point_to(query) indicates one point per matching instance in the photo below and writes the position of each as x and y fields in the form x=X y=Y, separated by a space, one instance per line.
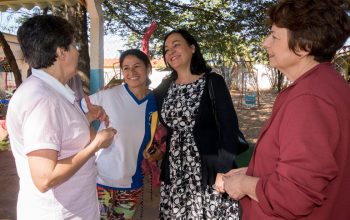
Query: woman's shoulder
x=111 y=90
x=167 y=79
x=215 y=77
x=105 y=95
x=37 y=90
x=164 y=85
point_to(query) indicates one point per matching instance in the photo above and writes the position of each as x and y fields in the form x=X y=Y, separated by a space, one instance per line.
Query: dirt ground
x=8 y=186
x=250 y=120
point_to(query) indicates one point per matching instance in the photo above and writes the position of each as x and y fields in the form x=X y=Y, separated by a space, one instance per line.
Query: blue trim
x=151 y=107
x=4 y=101
x=81 y=106
x=96 y=123
x=96 y=80
x=139 y=102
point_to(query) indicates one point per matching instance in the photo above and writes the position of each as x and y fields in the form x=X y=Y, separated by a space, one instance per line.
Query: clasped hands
x=231 y=183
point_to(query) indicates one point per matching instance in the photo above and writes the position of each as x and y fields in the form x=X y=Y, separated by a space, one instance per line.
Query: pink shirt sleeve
x=44 y=135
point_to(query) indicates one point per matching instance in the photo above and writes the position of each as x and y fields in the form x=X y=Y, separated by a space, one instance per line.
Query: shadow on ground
x=8 y=186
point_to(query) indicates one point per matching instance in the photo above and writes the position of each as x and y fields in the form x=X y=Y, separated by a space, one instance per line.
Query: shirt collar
x=306 y=74
x=55 y=84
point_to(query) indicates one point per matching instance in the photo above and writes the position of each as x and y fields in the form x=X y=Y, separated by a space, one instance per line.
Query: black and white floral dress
x=184 y=198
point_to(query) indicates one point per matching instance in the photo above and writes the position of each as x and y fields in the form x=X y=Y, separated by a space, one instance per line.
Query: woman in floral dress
x=197 y=153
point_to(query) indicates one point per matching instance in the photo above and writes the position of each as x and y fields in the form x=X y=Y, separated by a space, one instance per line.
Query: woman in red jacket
x=300 y=167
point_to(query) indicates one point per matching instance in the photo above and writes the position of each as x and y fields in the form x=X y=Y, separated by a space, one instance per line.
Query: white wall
x=263 y=80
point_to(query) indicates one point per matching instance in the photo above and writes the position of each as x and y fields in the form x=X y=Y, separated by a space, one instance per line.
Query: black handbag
x=243 y=145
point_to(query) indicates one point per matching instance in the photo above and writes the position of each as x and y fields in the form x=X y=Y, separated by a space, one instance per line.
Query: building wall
x=16 y=50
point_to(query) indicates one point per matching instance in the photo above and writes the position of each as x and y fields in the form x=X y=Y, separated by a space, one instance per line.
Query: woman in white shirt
x=130 y=107
x=49 y=134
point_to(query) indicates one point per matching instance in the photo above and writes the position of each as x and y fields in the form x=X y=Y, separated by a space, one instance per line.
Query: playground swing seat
x=250 y=100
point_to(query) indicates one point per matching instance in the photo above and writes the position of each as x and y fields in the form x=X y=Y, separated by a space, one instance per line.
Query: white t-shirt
x=43 y=114
x=119 y=166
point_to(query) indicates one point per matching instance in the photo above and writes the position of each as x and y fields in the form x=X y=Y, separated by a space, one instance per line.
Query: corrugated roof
x=29 y=4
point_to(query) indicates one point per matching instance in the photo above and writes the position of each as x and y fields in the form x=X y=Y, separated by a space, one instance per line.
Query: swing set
x=341 y=62
x=7 y=86
x=245 y=80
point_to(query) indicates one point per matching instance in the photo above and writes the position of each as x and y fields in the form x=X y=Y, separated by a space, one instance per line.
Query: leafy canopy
x=225 y=28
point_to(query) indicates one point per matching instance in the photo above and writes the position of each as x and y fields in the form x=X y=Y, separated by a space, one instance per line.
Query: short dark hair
x=317 y=26
x=198 y=64
x=40 y=36
x=140 y=55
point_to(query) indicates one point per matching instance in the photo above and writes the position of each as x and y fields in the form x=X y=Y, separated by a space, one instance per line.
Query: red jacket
x=302 y=156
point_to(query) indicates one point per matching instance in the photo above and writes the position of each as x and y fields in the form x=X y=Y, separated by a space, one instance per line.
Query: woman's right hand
x=47 y=171
x=95 y=112
x=104 y=137
x=242 y=170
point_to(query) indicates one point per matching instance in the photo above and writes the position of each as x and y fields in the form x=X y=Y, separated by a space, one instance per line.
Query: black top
x=217 y=152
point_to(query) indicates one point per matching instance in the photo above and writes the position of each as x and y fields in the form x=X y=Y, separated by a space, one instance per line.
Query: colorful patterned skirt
x=118 y=204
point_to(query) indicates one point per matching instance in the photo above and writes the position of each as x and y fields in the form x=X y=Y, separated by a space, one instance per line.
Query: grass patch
x=4 y=145
x=243 y=159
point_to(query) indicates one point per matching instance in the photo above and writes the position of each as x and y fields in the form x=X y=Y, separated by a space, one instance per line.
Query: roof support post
x=96 y=45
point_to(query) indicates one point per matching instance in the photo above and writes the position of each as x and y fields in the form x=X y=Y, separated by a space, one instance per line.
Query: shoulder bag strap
x=213 y=103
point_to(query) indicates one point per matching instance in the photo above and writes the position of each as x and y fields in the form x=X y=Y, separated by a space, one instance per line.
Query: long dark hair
x=198 y=64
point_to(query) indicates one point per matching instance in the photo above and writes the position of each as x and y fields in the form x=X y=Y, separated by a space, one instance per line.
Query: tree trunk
x=77 y=16
x=11 y=60
x=280 y=79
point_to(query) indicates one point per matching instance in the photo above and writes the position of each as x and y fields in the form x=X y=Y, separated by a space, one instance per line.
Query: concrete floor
x=150 y=204
x=8 y=186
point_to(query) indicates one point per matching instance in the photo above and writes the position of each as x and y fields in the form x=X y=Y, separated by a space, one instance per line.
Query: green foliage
x=4 y=145
x=14 y=18
x=243 y=159
x=226 y=30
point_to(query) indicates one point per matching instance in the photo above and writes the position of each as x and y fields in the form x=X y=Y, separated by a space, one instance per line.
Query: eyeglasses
x=76 y=45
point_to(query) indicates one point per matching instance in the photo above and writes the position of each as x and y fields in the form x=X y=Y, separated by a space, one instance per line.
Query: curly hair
x=40 y=36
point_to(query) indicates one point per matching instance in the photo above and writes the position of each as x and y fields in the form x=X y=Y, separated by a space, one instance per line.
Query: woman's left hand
x=95 y=112
x=219 y=183
x=237 y=185
x=233 y=185
x=242 y=170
